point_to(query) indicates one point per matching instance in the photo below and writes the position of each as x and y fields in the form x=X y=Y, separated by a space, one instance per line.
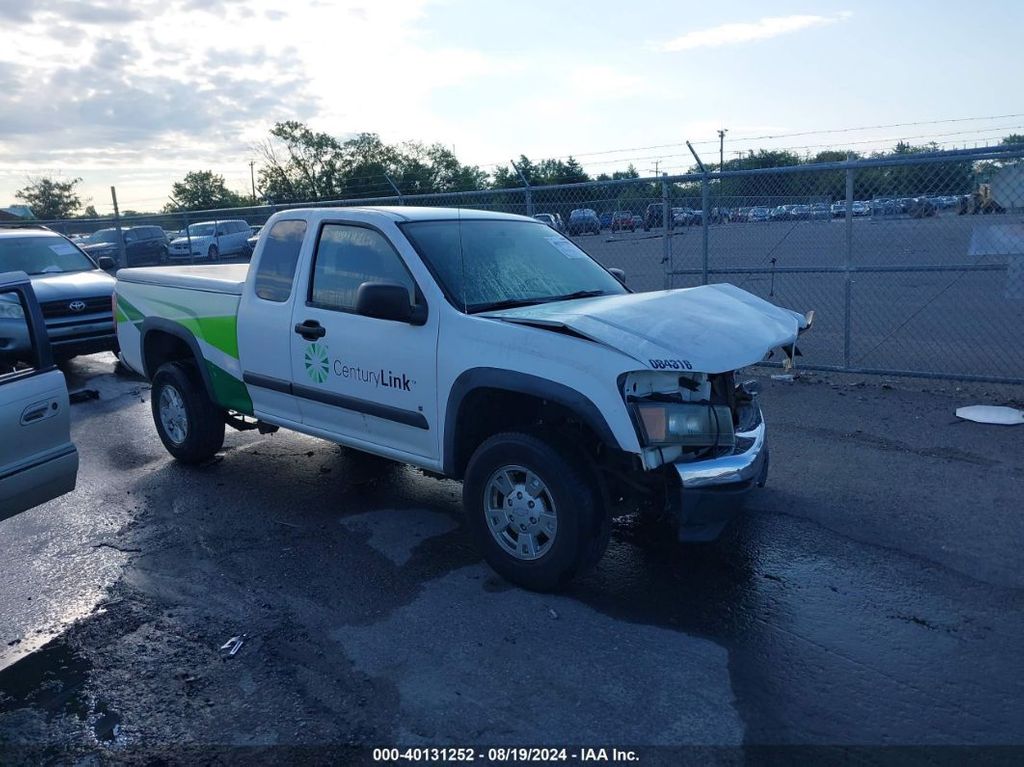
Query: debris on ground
x=1004 y=416
x=786 y=377
x=233 y=645
x=83 y=395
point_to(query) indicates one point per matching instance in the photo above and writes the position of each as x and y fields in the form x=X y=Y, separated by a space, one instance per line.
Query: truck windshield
x=487 y=264
x=41 y=255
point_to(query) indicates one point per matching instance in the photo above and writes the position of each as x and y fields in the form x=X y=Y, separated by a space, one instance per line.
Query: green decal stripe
x=229 y=392
x=221 y=332
x=127 y=312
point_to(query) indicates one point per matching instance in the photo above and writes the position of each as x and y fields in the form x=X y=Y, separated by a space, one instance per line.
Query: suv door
x=363 y=379
x=38 y=461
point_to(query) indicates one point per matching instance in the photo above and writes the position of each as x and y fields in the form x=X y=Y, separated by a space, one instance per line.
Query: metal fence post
x=848 y=261
x=666 y=243
x=188 y=237
x=705 y=192
x=122 y=253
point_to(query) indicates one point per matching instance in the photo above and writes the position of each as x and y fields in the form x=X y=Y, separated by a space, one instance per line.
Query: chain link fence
x=913 y=264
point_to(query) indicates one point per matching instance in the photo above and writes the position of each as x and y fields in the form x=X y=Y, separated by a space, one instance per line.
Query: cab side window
x=276 y=270
x=17 y=350
x=348 y=256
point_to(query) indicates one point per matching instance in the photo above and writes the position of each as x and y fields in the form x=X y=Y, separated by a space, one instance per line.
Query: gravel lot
x=872 y=595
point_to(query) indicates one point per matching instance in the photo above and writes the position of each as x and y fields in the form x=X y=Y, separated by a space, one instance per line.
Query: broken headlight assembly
x=685 y=424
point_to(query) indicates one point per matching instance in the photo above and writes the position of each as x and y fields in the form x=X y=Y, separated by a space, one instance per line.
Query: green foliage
x=201 y=190
x=51 y=198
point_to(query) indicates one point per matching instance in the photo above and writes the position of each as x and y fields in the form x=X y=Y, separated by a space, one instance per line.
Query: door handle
x=37 y=412
x=311 y=330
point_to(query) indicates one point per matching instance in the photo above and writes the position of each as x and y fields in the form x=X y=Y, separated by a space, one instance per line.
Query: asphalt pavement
x=870 y=596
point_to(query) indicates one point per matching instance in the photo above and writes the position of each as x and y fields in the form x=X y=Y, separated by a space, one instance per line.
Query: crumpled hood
x=709 y=329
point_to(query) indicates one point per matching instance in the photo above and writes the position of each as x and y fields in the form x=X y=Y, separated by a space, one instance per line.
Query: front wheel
x=189 y=423
x=535 y=510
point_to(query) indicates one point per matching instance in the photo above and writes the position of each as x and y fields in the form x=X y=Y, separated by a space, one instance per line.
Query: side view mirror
x=106 y=263
x=618 y=274
x=388 y=301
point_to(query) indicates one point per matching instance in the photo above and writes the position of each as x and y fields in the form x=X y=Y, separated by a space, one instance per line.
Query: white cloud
x=745 y=32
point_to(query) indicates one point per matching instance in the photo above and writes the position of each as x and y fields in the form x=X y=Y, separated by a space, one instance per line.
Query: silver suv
x=74 y=292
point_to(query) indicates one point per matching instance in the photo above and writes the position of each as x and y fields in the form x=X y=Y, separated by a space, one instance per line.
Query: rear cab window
x=276 y=270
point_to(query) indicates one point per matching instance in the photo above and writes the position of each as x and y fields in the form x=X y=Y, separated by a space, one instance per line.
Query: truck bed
x=211 y=278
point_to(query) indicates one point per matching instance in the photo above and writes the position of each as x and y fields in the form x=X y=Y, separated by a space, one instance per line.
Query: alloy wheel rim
x=520 y=512
x=172 y=415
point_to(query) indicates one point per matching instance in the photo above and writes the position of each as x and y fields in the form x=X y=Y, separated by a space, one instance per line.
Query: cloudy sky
x=136 y=93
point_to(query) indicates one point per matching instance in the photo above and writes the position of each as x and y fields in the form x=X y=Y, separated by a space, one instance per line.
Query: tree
x=90 y=212
x=300 y=164
x=201 y=190
x=51 y=198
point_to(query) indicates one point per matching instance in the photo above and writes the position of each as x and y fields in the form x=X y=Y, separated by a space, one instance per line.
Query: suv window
x=346 y=257
x=276 y=270
x=17 y=353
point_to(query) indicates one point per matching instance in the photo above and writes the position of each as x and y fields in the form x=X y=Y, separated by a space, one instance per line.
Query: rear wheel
x=189 y=423
x=535 y=510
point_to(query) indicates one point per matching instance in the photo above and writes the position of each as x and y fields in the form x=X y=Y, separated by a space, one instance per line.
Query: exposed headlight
x=689 y=424
x=11 y=310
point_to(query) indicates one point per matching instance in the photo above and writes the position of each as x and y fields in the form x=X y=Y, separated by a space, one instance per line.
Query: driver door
x=38 y=461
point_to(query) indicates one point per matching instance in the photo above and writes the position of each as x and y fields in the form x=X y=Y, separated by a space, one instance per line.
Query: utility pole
x=252 y=178
x=721 y=149
x=657 y=163
x=122 y=257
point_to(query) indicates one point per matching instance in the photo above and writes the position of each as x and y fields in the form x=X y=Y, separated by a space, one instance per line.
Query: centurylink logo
x=317 y=363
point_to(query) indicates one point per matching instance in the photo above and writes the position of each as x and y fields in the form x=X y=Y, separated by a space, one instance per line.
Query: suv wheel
x=534 y=508
x=189 y=423
x=212 y=253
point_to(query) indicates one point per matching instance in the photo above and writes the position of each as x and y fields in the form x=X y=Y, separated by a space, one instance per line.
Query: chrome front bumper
x=711 y=492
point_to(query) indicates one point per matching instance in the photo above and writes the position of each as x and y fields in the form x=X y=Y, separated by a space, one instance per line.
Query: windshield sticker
x=567 y=248
x=64 y=249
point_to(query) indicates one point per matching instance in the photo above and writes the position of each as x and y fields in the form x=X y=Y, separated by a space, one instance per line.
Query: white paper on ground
x=1005 y=416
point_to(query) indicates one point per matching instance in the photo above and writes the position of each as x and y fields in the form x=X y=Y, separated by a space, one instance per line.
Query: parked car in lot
x=74 y=292
x=922 y=207
x=623 y=219
x=525 y=369
x=820 y=211
x=838 y=209
x=142 y=245
x=582 y=221
x=554 y=220
x=638 y=221
x=861 y=208
x=759 y=214
x=38 y=460
x=781 y=213
x=211 y=240
x=654 y=216
x=606 y=220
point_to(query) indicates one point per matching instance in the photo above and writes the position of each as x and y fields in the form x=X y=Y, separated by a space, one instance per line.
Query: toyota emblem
x=77 y=306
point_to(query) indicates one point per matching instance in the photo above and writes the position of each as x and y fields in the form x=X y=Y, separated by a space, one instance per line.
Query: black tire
x=573 y=484
x=212 y=253
x=203 y=420
x=164 y=253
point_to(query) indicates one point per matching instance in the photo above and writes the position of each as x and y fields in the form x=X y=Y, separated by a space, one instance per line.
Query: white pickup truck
x=479 y=346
